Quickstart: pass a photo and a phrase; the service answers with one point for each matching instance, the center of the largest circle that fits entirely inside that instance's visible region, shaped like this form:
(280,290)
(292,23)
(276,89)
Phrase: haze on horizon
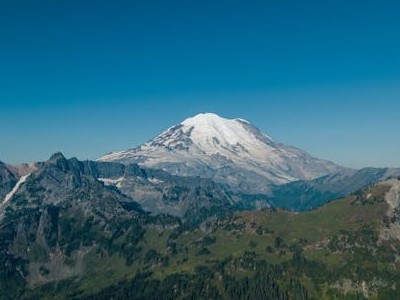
(89,78)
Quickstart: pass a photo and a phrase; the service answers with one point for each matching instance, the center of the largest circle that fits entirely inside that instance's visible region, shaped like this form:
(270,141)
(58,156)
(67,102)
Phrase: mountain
(306,195)
(66,235)
(53,219)
(232,152)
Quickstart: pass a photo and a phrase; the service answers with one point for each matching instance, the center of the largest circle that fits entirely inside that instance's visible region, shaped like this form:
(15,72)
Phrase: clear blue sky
(88,77)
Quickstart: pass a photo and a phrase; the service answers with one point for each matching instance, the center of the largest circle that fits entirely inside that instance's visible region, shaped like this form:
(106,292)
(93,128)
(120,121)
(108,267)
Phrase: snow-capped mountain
(230,151)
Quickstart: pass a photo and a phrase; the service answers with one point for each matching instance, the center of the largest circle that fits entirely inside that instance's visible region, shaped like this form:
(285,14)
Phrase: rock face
(158,191)
(393,213)
(63,182)
(232,152)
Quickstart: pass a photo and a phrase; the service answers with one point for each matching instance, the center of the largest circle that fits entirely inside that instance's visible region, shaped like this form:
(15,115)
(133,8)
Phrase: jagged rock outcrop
(54,218)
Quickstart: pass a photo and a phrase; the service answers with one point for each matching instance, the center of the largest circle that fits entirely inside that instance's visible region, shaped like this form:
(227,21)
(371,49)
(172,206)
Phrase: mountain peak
(213,134)
(205,116)
(57,156)
(210,118)
(58,159)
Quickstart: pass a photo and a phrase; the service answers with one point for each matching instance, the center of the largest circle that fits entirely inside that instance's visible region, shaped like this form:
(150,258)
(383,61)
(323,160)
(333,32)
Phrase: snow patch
(155,180)
(14,190)
(108,181)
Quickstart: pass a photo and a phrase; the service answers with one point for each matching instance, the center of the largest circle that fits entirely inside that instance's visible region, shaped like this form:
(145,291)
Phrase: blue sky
(88,77)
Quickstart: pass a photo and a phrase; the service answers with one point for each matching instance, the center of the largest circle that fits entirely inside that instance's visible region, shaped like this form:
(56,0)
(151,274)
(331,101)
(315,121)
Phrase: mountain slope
(308,194)
(232,152)
(347,249)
